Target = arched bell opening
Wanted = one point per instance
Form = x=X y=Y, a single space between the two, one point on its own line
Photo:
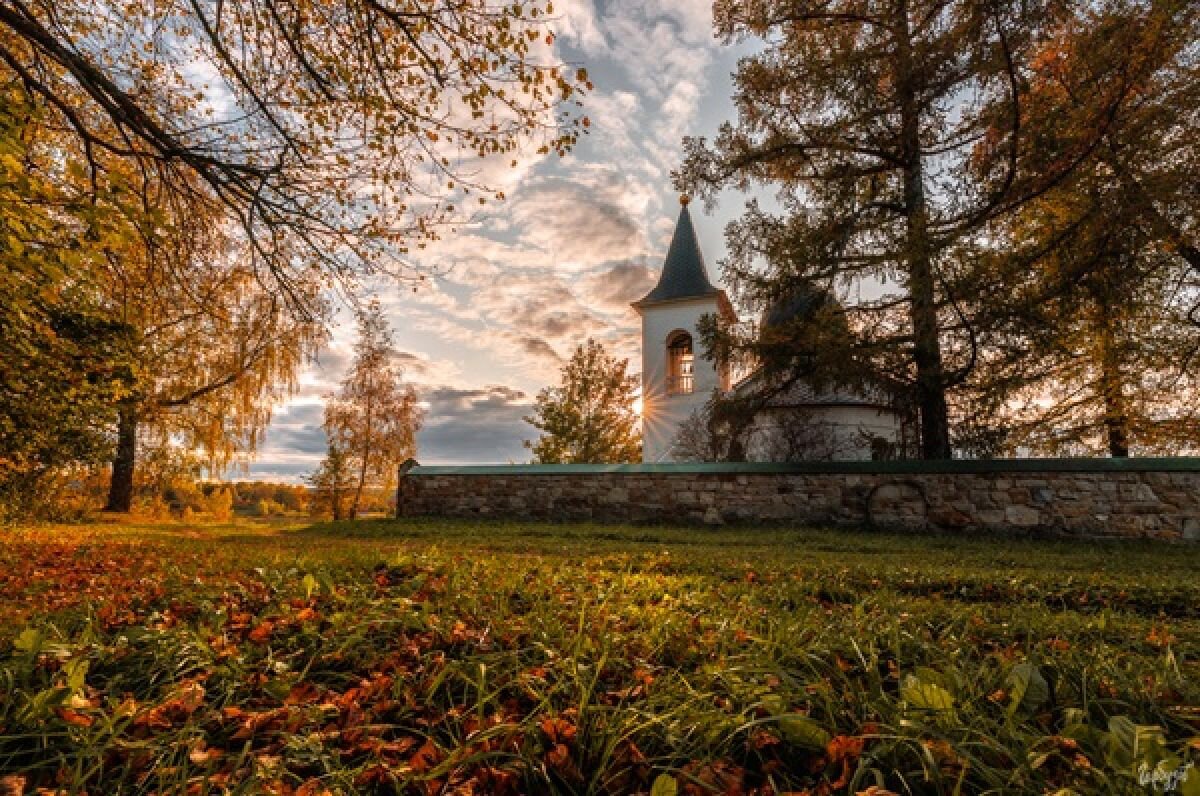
x=681 y=378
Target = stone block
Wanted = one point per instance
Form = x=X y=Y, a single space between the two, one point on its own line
x=1144 y=493
x=990 y=518
x=1022 y=516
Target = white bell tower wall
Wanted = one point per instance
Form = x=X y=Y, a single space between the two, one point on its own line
x=665 y=406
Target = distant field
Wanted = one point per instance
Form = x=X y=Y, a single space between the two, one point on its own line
x=457 y=657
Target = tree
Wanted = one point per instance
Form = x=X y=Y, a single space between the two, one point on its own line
x=1097 y=339
x=326 y=143
x=61 y=368
x=345 y=131
x=332 y=481
x=1112 y=91
x=865 y=117
x=374 y=416
x=590 y=417
x=122 y=285
x=211 y=349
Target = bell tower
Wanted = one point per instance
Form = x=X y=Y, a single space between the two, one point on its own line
x=677 y=379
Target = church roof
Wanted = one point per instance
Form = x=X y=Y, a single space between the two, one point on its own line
x=683 y=274
x=802 y=303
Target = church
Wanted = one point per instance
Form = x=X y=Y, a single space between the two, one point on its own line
x=678 y=381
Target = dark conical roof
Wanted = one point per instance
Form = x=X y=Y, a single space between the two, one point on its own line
x=683 y=274
x=802 y=303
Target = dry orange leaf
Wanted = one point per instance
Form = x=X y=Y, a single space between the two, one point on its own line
x=262 y=633
x=75 y=718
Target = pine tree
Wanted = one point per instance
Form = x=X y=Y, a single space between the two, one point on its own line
x=1095 y=339
x=590 y=417
x=864 y=116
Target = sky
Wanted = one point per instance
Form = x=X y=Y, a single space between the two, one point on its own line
x=578 y=239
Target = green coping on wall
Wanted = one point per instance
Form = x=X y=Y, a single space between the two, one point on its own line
x=907 y=467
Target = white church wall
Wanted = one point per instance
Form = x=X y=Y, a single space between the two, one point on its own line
x=663 y=413
x=830 y=433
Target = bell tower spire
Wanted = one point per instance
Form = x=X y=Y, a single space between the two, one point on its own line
x=683 y=274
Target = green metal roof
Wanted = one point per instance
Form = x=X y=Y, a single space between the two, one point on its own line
x=913 y=467
x=683 y=274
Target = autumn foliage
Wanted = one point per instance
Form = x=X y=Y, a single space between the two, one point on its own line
x=185 y=186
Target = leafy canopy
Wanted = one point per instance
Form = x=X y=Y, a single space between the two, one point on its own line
x=344 y=129
x=863 y=118
x=1092 y=309
x=590 y=417
x=61 y=367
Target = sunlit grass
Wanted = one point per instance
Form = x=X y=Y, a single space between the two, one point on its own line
x=430 y=656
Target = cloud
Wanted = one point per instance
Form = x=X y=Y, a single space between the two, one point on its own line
x=536 y=347
x=293 y=445
x=692 y=19
x=296 y=439
x=577 y=24
x=619 y=285
x=579 y=222
x=464 y=426
x=535 y=304
x=420 y=368
x=460 y=425
x=452 y=402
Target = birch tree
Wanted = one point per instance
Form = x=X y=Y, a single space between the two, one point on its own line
x=374 y=418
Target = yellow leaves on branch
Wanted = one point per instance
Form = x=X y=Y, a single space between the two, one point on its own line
x=322 y=100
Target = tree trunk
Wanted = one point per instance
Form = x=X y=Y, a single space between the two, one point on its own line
x=927 y=347
x=366 y=456
x=737 y=449
x=1116 y=414
x=358 y=490
x=1116 y=427
x=120 y=487
x=335 y=503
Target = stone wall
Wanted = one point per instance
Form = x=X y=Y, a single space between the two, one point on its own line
x=1136 y=498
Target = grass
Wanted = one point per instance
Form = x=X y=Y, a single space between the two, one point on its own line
x=457 y=657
